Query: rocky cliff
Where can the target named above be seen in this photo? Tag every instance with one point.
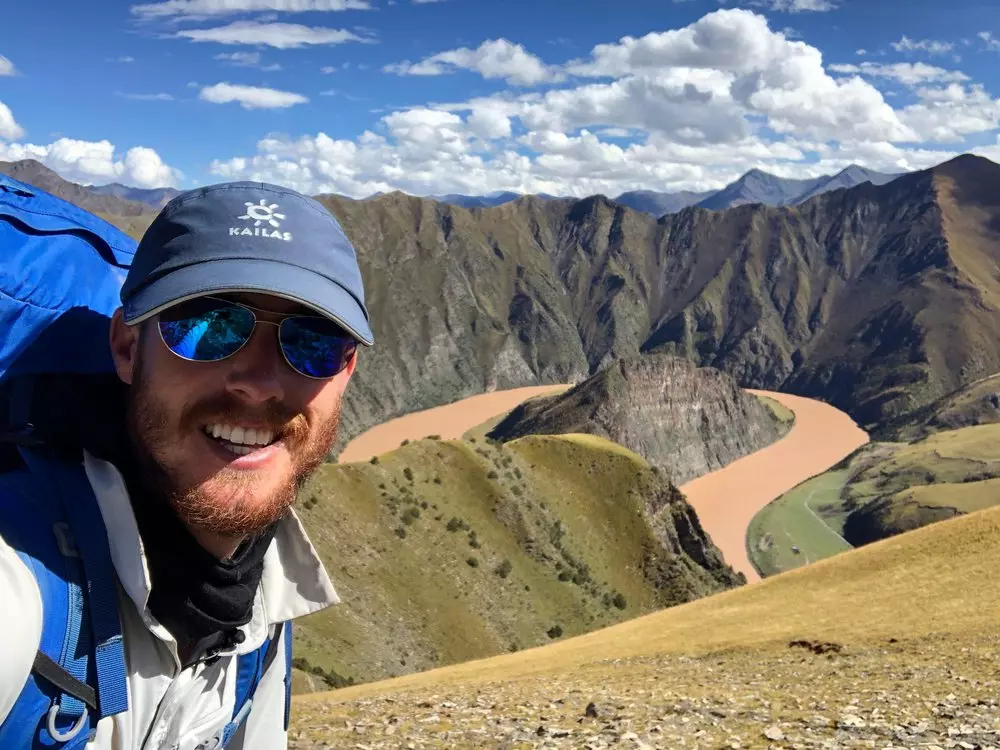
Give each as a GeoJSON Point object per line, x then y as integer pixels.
{"type": "Point", "coordinates": [682, 418]}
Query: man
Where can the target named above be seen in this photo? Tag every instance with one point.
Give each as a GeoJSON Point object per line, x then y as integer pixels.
{"type": "Point", "coordinates": [237, 336]}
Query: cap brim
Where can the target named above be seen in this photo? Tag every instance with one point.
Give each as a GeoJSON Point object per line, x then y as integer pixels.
{"type": "Point", "coordinates": [229, 276]}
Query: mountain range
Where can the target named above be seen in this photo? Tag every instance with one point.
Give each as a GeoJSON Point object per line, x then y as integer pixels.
{"type": "Point", "coordinates": [878, 298]}
{"type": "Point", "coordinates": [756, 186]}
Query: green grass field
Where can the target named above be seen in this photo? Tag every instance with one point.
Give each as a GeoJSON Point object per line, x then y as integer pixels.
{"type": "Point", "coordinates": [809, 517]}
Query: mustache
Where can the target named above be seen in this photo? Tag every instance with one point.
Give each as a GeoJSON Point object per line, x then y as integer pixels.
{"type": "Point", "coordinates": [276, 416]}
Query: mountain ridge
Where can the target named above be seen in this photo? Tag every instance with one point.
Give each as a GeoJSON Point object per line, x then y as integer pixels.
{"type": "Point", "coordinates": [878, 299]}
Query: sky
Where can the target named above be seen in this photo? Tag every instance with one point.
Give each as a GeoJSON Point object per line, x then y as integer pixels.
{"type": "Point", "coordinates": [567, 97]}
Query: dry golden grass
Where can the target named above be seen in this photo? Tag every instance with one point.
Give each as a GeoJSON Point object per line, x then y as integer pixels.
{"type": "Point", "coordinates": [937, 579]}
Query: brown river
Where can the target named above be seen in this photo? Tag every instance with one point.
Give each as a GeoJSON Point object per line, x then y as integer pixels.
{"type": "Point", "coordinates": [725, 500]}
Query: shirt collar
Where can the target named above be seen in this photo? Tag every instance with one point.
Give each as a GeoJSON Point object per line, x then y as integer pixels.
{"type": "Point", "coordinates": [294, 582]}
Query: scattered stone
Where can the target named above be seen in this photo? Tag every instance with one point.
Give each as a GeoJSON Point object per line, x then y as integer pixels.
{"type": "Point", "coordinates": [774, 733]}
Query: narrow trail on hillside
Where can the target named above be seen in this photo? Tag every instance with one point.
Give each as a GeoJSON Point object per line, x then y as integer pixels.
{"type": "Point", "coordinates": [725, 500]}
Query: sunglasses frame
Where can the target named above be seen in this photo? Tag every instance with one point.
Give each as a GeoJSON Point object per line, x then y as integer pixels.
{"type": "Point", "coordinates": [256, 320]}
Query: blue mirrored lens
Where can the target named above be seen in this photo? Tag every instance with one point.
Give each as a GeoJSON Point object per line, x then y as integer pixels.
{"type": "Point", "coordinates": [206, 330]}
{"type": "Point", "coordinates": [316, 347]}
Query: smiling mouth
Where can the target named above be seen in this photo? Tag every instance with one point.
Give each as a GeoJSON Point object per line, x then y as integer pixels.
{"type": "Point", "coordinates": [240, 441]}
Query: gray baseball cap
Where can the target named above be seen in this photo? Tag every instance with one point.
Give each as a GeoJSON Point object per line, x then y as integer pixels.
{"type": "Point", "coordinates": [247, 237]}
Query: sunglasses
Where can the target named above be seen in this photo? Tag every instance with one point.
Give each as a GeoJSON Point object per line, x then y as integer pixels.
{"type": "Point", "coordinates": [209, 329]}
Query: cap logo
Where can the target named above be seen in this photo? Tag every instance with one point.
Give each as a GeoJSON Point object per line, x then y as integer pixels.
{"type": "Point", "coordinates": [261, 213]}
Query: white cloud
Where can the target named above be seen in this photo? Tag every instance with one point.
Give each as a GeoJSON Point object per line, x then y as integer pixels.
{"type": "Point", "coordinates": [930, 46]}
{"type": "Point", "coordinates": [685, 109]}
{"type": "Point", "coordinates": [278, 35]}
{"type": "Point", "coordinates": [861, 52]}
{"type": "Point", "coordinates": [328, 69]}
{"type": "Point", "coordinates": [251, 97]}
{"type": "Point", "coordinates": [246, 60]}
{"type": "Point", "coordinates": [207, 8]}
{"type": "Point", "coordinates": [910, 74]}
{"type": "Point", "coordinates": [496, 58]}
{"type": "Point", "coordinates": [799, 6]}
{"type": "Point", "coordinates": [949, 114]}
{"type": "Point", "coordinates": [96, 162]}
{"type": "Point", "coordinates": [6, 67]}
{"type": "Point", "coordinates": [992, 44]}
{"type": "Point", "coordinates": [9, 129]}
{"type": "Point", "coordinates": [732, 59]}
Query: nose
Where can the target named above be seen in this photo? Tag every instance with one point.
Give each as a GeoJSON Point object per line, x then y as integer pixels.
{"type": "Point", "coordinates": [255, 373]}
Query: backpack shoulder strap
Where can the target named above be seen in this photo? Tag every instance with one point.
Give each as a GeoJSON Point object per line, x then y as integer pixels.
{"type": "Point", "coordinates": [250, 669]}
{"type": "Point", "coordinates": [50, 516]}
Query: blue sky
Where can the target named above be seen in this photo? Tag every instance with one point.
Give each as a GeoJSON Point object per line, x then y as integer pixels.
{"type": "Point", "coordinates": [573, 98]}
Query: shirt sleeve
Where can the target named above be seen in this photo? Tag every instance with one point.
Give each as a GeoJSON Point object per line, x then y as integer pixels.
{"type": "Point", "coordinates": [22, 627]}
{"type": "Point", "coordinates": [264, 728]}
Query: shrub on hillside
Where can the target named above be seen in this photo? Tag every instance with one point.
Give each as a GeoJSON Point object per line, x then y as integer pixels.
{"type": "Point", "coordinates": [374, 460]}
{"type": "Point", "coordinates": [504, 568]}
{"type": "Point", "coordinates": [405, 442]}
{"type": "Point", "coordinates": [618, 600]}
{"type": "Point", "coordinates": [492, 475]}
{"type": "Point", "coordinates": [456, 524]}
{"type": "Point", "coordinates": [433, 437]}
{"type": "Point", "coordinates": [408, 473]}
{"type": "Point", "coordinates": [472, 562]}
{"type": "Point", "coordinates": [555, 631]}
{"type": "Point", "coordinates": [400, 532]}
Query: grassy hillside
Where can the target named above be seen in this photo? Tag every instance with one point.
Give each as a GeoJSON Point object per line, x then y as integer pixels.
{"type": "Point", "coordinates": [847, 652]}
{"type": "Point", "coordinates": [882, 490]}
{"type": "Point", "coordinates": [444, 551]}
{"type": "Point", "coordinates": [800, 527]}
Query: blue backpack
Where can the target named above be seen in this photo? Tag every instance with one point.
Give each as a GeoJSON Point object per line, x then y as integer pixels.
{"type": "Point", "coordinates": [61, 270]}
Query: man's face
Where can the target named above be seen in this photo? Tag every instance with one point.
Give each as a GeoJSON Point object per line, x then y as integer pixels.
{"type": "Point", "coordinates": [176, 406]}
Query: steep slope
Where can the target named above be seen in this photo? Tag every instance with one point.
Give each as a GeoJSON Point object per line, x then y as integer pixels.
{"type": "Point", "coordinates": [108, 206]}
{"type": "Point", "coordinates": [974, 404]}
{"type": "Point", "coordinates": [856, 295]}
{"type": "Point", "coordinates": [880, 646]}
{"type": "Point", "coordinates": [687, 420]}
{"type": "Point", "coordinates": [847, 178]}
{"type": "Point", "coordinates": [757, 186]}
{"type": "Point", "coordinates": [443, 551]}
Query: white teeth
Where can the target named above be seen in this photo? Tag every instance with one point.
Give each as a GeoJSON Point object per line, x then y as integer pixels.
{"type": "Point", "coordinates": [239, 450]}
{"type": "Point", "coordinates": [247, 436]}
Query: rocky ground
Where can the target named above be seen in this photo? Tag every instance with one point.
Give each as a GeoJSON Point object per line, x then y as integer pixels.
{"type": "Point", "coordinates": [938, 692]}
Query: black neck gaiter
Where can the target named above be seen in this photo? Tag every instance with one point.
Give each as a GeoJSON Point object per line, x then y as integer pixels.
{"type": "Point", "coordinates": [194, 594]}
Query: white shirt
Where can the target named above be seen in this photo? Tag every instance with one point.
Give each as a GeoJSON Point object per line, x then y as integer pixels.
{"type": "Point", "coordinates": [168, 707]}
